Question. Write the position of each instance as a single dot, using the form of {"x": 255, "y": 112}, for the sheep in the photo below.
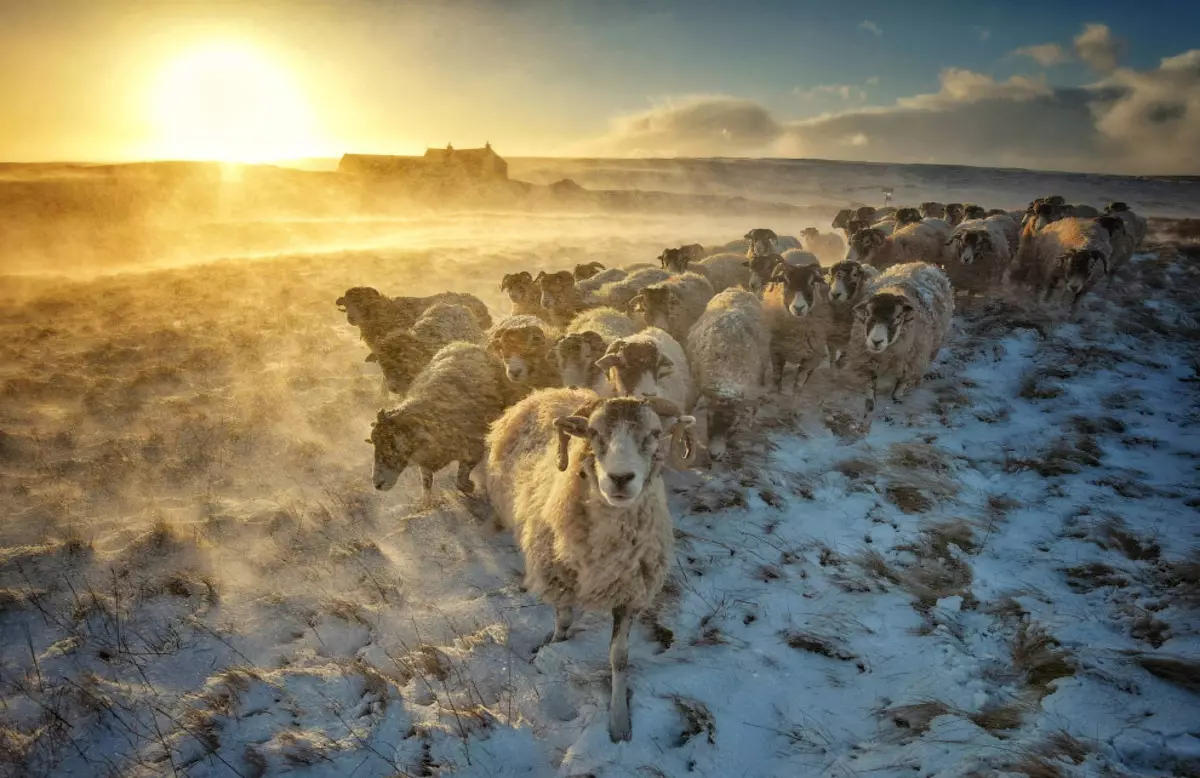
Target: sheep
{"x": 376, "y": 315}
{"x": 762, "y": 267}
{"x": 675, "y": 260}
{"x": 729, "y": 349}
{"x": 559, "y": 297}
{"x": 402, "y": 354}
{"x": 1135, "y": 224}
{"x": 650, "y": 364}
{"x": 585, "y": 341}
{"x": 588, "y": 286}
{"x": 847, "y": 284}
{"x": 899, "y": 327}
{"x": 920, "y": 242}
{"x": 954, "y": 214}
{"x": 906, "y": 216}
{"x": 866, "y": 213}
{"x": 523, "y": 294}
{"x": 981, "y": 252}
{"x": 522, "y": 344}
{"x": 723, "y": 270}
{"x": 842, "y": 218}
{"x": 855, "y": 226}
{"x": 578, "y": 478}
{"x": 761, "y": 242}
{"x": 973, "y": 211}
{"x": 829, "y": 247}
{"x": 618, "y": 293}
{"x": 693, "y": 252}
{"x": 444, "y": 419}
{"x": 1067, "y": 258}
{"x": 798, "y": 312}
{"x": 884, "y": 212}
{"x": 930, "y": 209}
{"x": 674, "y": 304}
{"x": 1121, "y": 240}
{"x": 586, "y": 271}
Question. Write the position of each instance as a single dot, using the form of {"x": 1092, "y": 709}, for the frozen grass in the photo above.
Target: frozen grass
{"x": 197, "y": 578}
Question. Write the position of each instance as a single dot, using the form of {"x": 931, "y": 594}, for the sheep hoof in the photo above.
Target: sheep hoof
{"x": 467, "y": 486}
{"x": 619, "y": 726}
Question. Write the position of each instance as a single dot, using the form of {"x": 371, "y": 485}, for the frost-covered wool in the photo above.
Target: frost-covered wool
{"x": 376, "y": 315}
{"x": 981, "y": 252}
{"x": 522, "y": 344}
{"x": 933, "y": 210}
{"x": 675, "y": 304}
{"x": 847, "y": 286}
{"x": 559, "y": 296}
{"x": 799, "y": 314}
{"x": 525, "y": 298}
{"x": 921, "y": 242}
{"x": 829, "y": 247}
{"x": 650, "y": 363}
{"x": 1070, "y": 252}
{"x": 912, "y": 304}
{"x": 618, "y": 293}
{"x": 402, "y": 355}
{"x": 444, "y": 418}
{"x": 585, "y": 341}
{"x": 723, "y": 271}
{"x": 729, "y": 350}
{"x": 588, "y": 286}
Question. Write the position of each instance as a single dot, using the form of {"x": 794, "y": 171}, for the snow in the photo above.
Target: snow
{"x": 842, "y": 605}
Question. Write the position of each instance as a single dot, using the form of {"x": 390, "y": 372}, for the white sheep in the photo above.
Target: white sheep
{"x": 933, "y": 210}
{"x": 443, "y": 419}
{"x": 847, "y": 285}
{"x": 588, "y": 286}
{"x": 585, "y": 341}
{"x": 376, "y": 315}
{"x": 981, "y": 252}
{"x": 1067, "y": 258}
{"x": 522, "y": 344}
{"x": 578, "y": 478}
{"x": 921, "y": 242}
{"x": 729, "y": 349}
{"x": 559, "y": 296}
{"x": 650, "y": 364}
{"x": 674, "y": 304}
{"x": 723, "y": 271}
{"x": 800, "y": 316}
{"x": 899, "y": 327}
{"x": 618, "y": 293}
{"x": 402, "y": 355}
{"x": 524, "y": 296}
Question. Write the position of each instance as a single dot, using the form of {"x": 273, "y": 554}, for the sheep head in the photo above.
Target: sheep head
{"x": 357, "y": 302}
{"x": 624, "y": 449}
{"x": 972, "y": 211}
{"x": 884, "y": 317}
{"x": 725, "y": 414}
{"x": 761, "y": 267}
{"x": 905, "y": 216}
{"x": 517, "y": 348}
{"x": 1075, "y": 269}
{"x": 576, "y": 355}
{"x": 762, "y": 241}
{"x": 932, "y": 210}
{"x": 970, "y": 244}
{"x": 692, "y": 252}
{"x": 396, "y": 438}
{"x": 584, "y": 272}
{"x": 1045, "y": 213}
{"x": 657, "y": 304}
{"x": 634, "y": 367}
{"x": 519, "y": 287}
{"x": 1116, "y": 207}
{"x": 954, "y": 214}
{"x": 810, "y": 233}
{"x": 1113, "y": 225}
{"x": 674, "y": 260}
{"x": 846, "y": 278}
{"x": 865, "y": 213}
{"x": 555, "y": 288}
{"x": 864, "y": 243}
{"x": 842, "y": 218}
{"x": 803, "y": 287}
{"x": 855, "y": 226}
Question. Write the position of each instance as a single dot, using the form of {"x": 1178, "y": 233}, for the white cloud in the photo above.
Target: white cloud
{"x": 1098, "y": 48}
{"x": 847, "y": 92}
{"x": 1045, "y": 54}
{"x": 1140, "y": 122}
{"x": 870, "y": 26}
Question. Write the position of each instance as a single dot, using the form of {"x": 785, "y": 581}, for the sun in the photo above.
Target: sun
{"x": 226, "y": 101}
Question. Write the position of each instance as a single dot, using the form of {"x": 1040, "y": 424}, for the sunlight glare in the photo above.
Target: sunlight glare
{"x": 228, "y": 102}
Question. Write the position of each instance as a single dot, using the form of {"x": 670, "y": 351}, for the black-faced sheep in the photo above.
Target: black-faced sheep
{"x": 578, "y": 478}
{"x": 586, "y": 271}
{"x": 444, "y": 419}
{"x": 920, "y": 242}
{"x": 798, "y": 312}
{"x": 907, "y": 216}
{"x": 522, "y": 344}
{"x": 981, "y": 253}
{"x": 933, "y": 210}
{"x": 729, "y": 349}
{"x": 1122, "y": 242}
{"x": 674, "y": 304}
{"x": 1067, "y": 259}
{"x": 847, "y": 286}
{"x": 899, "y": 327}
{"x": 954, "y": 214}
{"x": 760, "y": 241}
{"x": 973, "y": 211}
{"x": 376, "y": 315}
{"x": 1135, "y": 224}
{"x": 650, "y": 363}
{"x": 584, "y": 342}
{"x": 763, "y": 267}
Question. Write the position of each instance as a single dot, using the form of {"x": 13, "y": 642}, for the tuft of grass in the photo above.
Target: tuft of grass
{"x": 1094, "y": 575}
{"x": 1182, "y": 672}
{"x": 918, "y": 456}
{"x": 917, "y": 717}
{"x": 909, "y": 499}
{"x": 821, "y": 645}
{"x": 1112, "y": 535}
{"x": 697, "y": 720}
{"x": 1039, "y": 658}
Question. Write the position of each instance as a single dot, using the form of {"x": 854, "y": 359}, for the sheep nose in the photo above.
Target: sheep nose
{"x": 876, "y": 342}
{"x": 621, "y": 480}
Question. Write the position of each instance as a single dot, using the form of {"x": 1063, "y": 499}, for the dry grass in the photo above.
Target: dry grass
{"x": 1113, "y": 535}
{"x": 1184, "y": 673}
{"x": 939, "y": 571}
{"x": 1094, "y": 575}
{"x": 1039, "y": 658}
{"x": 697, "y": 720}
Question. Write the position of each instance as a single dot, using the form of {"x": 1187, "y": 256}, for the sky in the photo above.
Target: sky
{"x": 1099, "y": 86}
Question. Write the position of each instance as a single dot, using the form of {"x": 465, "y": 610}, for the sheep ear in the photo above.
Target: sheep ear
{"x": 665, "y": 367}
{"x": 608, "y": 360}
{"x": 372, "y": 357}
{"x": 638, "y": 303}
{"x": 568, "y": 427}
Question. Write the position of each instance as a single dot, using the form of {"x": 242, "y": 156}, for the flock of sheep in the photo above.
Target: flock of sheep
{"x": 580, "y": 397}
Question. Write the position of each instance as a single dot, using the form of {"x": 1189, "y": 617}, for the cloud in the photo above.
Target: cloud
{"x": 1045, "y": 54}
{"x": 1138, "y": 122}
{"x": 871, "y": 26}
{"x": 847, "y": 92}
{"x": 1098, "y": 48}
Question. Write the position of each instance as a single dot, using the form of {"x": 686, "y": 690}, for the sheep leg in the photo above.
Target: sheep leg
{"x": 806, "y": 370}
{"x": 777, "y": 363}
{"x": 426, "y": 486}
{"x": 901, "y": 388}
{"x": 563, "y": 616}
{"x": 464, "y": 482}
{"x": 619, "y": 726}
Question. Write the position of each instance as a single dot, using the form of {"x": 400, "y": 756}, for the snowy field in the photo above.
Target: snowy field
{"x": 197, "y": 578}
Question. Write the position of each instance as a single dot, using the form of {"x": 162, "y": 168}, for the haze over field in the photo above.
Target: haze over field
{"x": 996, "y": 575}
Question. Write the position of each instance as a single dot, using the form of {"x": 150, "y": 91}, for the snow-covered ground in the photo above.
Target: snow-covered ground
{"x": 197, "y": 578}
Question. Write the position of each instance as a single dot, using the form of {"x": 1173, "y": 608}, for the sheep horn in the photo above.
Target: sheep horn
{"x": 663, "y": 407}
{"x": 683, "y": 438}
